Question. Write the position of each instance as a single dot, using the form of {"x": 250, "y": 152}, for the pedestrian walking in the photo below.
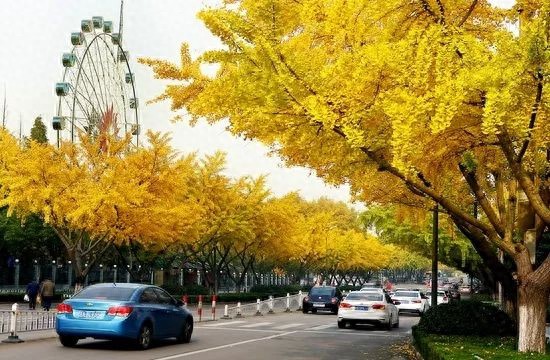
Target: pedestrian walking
{"x": 32, "y": 292}
{"x": 47, "y": 289}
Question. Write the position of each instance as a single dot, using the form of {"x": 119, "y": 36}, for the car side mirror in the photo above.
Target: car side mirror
{"x": 397, "y": 302}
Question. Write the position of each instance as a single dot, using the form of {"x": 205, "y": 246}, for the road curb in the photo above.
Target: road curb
{"x": 35, "y": 337}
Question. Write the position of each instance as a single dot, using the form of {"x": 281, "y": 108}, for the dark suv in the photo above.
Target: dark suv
{"x": 325, "y": 298}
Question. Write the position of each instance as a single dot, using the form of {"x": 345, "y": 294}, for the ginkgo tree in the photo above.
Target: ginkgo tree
{"x": 442, "y": 100}
{"x": 412, "y": 230}
{"x": 94, "y": 195}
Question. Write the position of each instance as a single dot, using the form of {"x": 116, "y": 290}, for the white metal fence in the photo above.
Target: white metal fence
{"x": 31, "y": 320}
{"x": 271, "y": 305}
{"x": 27, "y": 320}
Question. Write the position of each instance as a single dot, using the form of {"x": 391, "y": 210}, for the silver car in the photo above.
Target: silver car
{"x": 368, "y": 307}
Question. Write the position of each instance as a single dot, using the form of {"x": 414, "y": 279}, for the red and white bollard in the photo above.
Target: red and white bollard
{"x": 214, "y": 307}
{"x": 270, "y": 304}
{"x": 258, "y": 312}
{"x": 300, "y": 300}
{"x": 185, "y": 300}
{"x": 226, "y": 312}
{"x": 239, "y": 314}
{"x": 199, "y": 309}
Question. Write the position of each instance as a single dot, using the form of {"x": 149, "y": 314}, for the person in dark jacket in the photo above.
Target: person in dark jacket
{"x": 46, "y": 292}
{"x": 32, "y": 293}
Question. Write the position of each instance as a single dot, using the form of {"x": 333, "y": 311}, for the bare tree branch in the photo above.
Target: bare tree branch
{"x": 468, "y": 13}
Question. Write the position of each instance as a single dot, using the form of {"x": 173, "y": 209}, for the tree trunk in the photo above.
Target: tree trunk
{"x": 532, "y": 304}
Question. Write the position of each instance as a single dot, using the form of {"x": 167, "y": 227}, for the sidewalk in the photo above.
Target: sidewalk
{"x": 31, "y": 335}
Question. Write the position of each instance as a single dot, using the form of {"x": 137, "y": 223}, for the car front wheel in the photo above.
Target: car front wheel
{"x": 145, "y": 337}
{"x": 68, "y": 341}
{"x": 186, "y": 332}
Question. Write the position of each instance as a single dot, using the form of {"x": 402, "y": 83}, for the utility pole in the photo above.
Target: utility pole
{"x": 120, "y": 22}
{"x": 4, "y": 110}
{"x": 20, "y": 128}
{"x": 435, "y": 252}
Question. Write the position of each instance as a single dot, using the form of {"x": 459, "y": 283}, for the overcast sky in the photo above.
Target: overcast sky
{"x": 37, "y": 32}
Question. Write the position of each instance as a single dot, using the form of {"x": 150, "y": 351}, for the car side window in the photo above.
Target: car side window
{"x": 164, "y": 297}
{"x": 148, "y": 296}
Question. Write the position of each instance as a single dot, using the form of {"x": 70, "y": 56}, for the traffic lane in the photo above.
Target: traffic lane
{"x": 214, "y": 339}
{"x": 361, "y": 342}
{"x": 90, "y": 349}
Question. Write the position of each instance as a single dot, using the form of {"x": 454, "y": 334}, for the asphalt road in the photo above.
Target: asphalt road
{"x": 279, "y": 336}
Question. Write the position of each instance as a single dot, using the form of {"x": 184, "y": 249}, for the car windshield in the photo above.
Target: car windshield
{"x": 366, "y": 297}
{"x": 321, "y": 291}
{"x": 407, "y": 294}
{"x": 106, "y": 293}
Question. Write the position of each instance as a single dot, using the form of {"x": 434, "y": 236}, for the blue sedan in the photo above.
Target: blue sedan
{"x": 137, "y": 312}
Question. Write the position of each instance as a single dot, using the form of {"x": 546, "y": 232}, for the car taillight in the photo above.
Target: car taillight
{"x": 417, "y": 301}
{"x": 123, "y": 311}
{"x": 306, "y": 298}
{"x": 334, "y": 300}
{"x": 379, "y": 306}
{"x": 64, "y": 309}
{"x": 345, "y": 305}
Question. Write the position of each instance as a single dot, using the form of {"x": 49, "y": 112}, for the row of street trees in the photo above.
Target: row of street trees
{"x": 412, "y": 103}
{"x": 101, "y": 198}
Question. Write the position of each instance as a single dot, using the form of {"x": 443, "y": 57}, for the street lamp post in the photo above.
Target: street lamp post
{"x": 114, "y": 273}
{"x": 86, "y": 278}
{"x": 70, "y": 273}
{"x": 54, "y": 269}
{"x": 36, "y": 271}
{"x": 17, "y": 273}
{"x": 100, "y": 273}
{"x": 435, "y": 252}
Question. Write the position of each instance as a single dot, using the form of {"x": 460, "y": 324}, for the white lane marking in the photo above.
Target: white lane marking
{"x": 322, "y": 327}
{"x": 225, "y": 323}
{"x": 352, "y": 332}
{"x": 256, "y": 325}
{"x": 225, "y": 346}
{"x": 239, "y": 329}
{"x": 287, "y": 326}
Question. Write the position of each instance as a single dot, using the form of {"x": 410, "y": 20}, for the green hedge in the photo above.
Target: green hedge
{"x": 467, "y": 318}
{"x": 227, "y": 297}
{"x": 278, "y": 290}
{"x": 18, "y": 297}
{"x": 443, "y": 347}
{"x": 185, "y": 289}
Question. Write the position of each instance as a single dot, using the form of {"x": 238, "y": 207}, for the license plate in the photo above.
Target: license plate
{"x": 403, "y": 301}
{"x": 364, "y": 308}
{"x": 82, "y": 314}
{"x": 319, "y": 304}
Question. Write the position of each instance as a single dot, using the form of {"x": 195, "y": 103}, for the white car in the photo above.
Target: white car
{"x": 368, "y": 307}
{"x": 442, "y": 297}
{"x": 411, "y": 301}
{"x": 372, "y": 289}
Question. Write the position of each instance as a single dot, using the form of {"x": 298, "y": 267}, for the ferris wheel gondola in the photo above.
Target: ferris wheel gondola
{"x": 97, "y": 84}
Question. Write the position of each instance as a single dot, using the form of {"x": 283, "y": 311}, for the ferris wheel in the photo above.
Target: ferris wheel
{"x": 97, "y": 92}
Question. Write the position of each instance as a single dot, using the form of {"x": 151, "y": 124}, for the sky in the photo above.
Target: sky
{"x": 37, "y": 32}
